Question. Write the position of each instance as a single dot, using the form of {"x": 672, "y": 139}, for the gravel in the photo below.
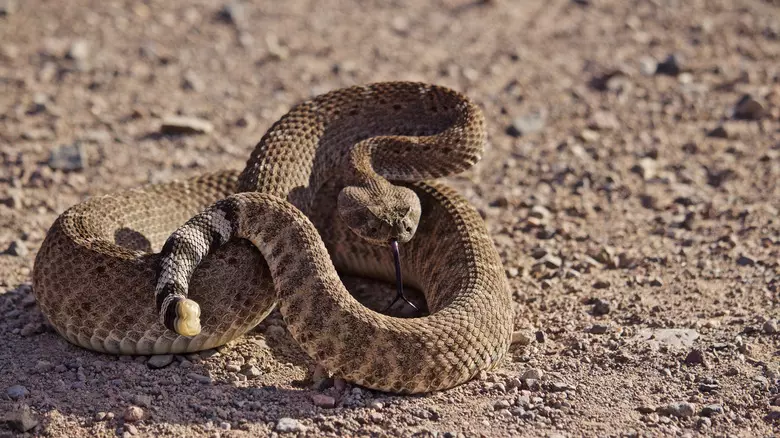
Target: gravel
{"x": 159, "y": 361}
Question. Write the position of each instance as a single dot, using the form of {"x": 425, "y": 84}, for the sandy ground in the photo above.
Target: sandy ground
{"x": 633, "y": 197}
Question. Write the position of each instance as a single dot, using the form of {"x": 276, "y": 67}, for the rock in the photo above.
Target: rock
{"x": 288, "y": 425}
{"x": 527, "y": 124}
{"x": 22, "y": 419}
{"x": 200, "y": 378}
{"x": 646, "y": 168}
{"x": 718, "y": 132}
{"x": 501, "y": 404}
{"x": 251, "y": 371}
{"x": 192, "y": 81}
{"x": 79, "y": 50}
{"x": 71, "y": 157}
{"x": 599, "y": 329}
{"x": 521, "y": 338}
{"x": 648, "y": 65}
{"x": 18, "y": 248}
{"x": 602, "y": 284}
{"x": 600, "y": 307}
{"x": 680, "y": 409}
{"x": 745, "y": 260}
{"x": 133, "y": 414}
{"x": 129, "y": 428}
{"x": 185, "y": 125}
{"x": 323, "y": 401}
{"x": 533, "y": 373}
{"x": 233, "y": 13}
{"x": 603, "y": 121}
{"x": 159, "y": 361}
{"x": 771, "y": 327}
{"x": 680, "y": 338}
{"x": 17, "y": 392}
{"x": 695, "y": 357}
{"x": 671, "y": 66}
{"x": 748, "y": 108}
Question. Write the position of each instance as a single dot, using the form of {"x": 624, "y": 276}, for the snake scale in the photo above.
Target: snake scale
{"x": 323, "y": 192}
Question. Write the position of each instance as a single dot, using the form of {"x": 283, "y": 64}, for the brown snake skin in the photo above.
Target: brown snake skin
{"x": 96, "y": 273}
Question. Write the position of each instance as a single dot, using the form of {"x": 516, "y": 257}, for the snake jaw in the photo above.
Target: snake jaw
{"x": 187, "y": 321}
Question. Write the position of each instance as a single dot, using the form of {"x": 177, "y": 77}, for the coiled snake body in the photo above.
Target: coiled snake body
{"x": 315, "y": 198}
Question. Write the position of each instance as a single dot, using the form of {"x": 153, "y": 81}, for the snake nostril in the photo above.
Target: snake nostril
{"x": 408, "y": 229}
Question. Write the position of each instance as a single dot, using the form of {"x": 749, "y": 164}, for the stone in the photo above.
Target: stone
{"x": 718, "y": 132}
{"x": 159, "y": 361}
{"x": 79, "y": 50}
{"x": 695, "y": 357}
{"x": 177, "y": 125}
{"x": 251, "y": 371}
{"x": 521, "y": 337}
{"x": 533, "y": 373}
{"x": 680, "y": 409}
{"x": 288, "y": 425}
{"x": 133, "y": 414}
{"x": 671, "y": 66}
{"x": 601, "y": 307}
{"x": 200, "y": 378}
{"x": 501, "y": 404}
{"x": 770, "y": 327}
{"x": 527, "y": 124}
{"x": 748, "y": 108}
{"x": 599, "y": 329}
{"x": 18, "y": 248}
{"x": 68, "y": 158}
{"x": 22, "y": 419}
{"x": 603, "y": 121}
{"x": 323, "y": 401}
{"x": 17, "y": 392}
{"x": 648, "y": 65}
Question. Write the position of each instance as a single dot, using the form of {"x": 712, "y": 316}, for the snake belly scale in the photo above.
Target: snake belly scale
{"x": 316, "y": 196}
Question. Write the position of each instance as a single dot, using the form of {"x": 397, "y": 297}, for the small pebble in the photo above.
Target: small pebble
{"x": 771, "y": 327}
{"x": 323, "y": 401}
{"x": 501, "y": 404}
{"x": 600, "y": 307}
{"x": 527, "y": 124}
{"x": 533, "y": 373}
{"x": 711, "y": 410}
{"x": 251, "y": 371}
{"x": 159, "y": 361}
{"x": 133, "y": 414}
{"x": 748, "y": 108}
{"x": 287, "y": 425}
{"x": 695, "y": 357}
{"x": 680, "y": 409}
{"x": 599, "y": 329}
{"x": 718, "y": 132}
{"x": 70, "y": 157}
{"x": 185, "y": 125}
{"x": 200, "y": 378}
{"x": 521, "y": 337}
{"x": 132, "y": 430}
{"x": 17, "y": 392}
{"x": 671, "y": 66}
{"x": 18, "y": 248}
{"x": 79, "y": 50}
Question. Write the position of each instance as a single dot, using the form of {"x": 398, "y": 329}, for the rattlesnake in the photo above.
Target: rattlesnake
{"x": 318, "y": 166}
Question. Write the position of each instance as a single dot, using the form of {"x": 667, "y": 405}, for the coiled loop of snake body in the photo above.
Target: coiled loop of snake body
{"x": 333, "y": 178}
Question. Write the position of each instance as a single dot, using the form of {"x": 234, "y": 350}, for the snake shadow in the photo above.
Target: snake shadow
{"x": 61, "y": 379}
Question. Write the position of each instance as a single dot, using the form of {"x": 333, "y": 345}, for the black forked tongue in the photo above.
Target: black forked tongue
{"x": 398, "y": 279}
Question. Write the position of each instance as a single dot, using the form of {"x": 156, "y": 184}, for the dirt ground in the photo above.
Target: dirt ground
{"x": 630, "y": 185}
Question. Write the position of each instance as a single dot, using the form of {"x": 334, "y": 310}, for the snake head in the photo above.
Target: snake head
{"x": 380, "y": 215}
